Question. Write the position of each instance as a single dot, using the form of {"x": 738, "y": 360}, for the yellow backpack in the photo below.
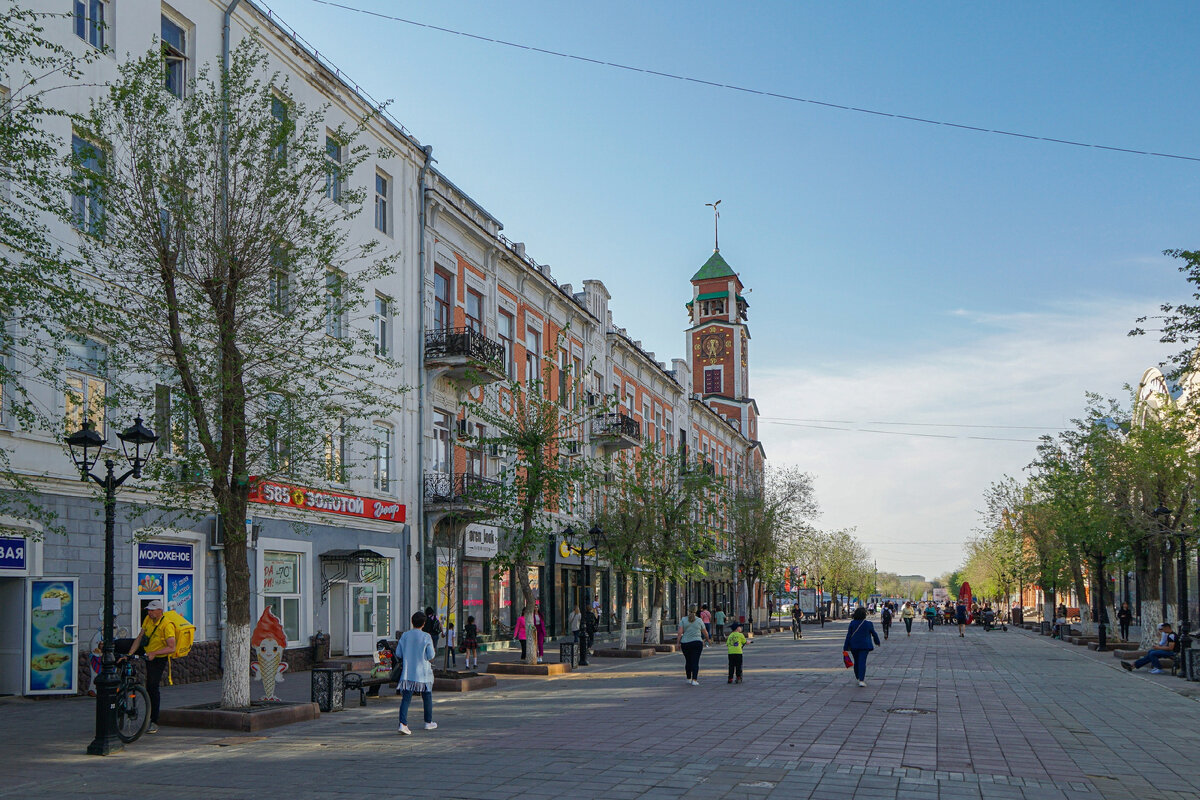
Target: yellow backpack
{"x": 185, "y": 634}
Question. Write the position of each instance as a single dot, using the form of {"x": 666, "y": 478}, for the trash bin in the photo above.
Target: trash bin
{"x": 328, "y": 688}
{"x": 568, "y": 654}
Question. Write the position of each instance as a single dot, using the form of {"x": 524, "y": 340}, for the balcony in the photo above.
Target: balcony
{"x": 459, "y": 353}
{"x": 467, "y": 496}
{"x": 616, "y": 431}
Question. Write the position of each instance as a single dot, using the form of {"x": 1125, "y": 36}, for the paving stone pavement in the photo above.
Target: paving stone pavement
{"x": 999, "y": 716}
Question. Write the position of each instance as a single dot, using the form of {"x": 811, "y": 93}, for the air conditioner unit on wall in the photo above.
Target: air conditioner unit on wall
{"x": 217, "y": 538}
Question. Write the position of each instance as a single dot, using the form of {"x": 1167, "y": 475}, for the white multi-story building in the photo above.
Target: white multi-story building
{"x": 461, "y": 297}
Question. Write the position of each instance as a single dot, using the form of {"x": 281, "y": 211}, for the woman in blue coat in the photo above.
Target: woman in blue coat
{"x": 858, "y": 642}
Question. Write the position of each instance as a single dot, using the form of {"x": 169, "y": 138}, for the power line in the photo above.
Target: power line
{"x": 920, "y": 424}
{"x": 748, "y": 90}
{"x": 897, "y": 433}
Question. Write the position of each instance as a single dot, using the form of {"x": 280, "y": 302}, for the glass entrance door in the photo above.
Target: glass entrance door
{"x": 362, "y": 618}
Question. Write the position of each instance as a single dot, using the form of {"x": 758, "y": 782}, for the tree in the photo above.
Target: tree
{"x": 761, "y": 513}
{"x": 42, "y": 299}
{"x": 543, "y": 484}
{"x": 666, "y": 510}
{"x": 224, "y": 241}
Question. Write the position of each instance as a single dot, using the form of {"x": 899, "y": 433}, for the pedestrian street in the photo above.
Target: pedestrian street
{"x": 994, "y": 715}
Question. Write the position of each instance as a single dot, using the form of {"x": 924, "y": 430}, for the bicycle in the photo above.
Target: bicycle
{"x": 133, "y": 702}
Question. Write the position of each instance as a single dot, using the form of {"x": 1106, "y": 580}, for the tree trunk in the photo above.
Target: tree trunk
{"x": 1049, "y": 606}
{"x": 1086, "y": 623}
{"x": 235, "y": 683}
{"x": 624, "y": 641}
{"x": 1149, "y": 558}
{"x": 656, "y": 608}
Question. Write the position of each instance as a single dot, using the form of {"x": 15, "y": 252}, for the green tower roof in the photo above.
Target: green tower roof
{"x": 715, "y": 267}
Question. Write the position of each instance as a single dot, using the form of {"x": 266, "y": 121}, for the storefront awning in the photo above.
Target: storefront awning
{"x": 336, "y": 564}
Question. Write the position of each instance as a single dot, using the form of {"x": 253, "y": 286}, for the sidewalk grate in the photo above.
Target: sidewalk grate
{"x": 903, "y": 710}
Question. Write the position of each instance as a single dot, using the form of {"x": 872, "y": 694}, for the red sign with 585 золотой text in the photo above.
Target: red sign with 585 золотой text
{"x": 350, "y": 505}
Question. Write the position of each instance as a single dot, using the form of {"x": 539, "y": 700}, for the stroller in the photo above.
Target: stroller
{"x": 989, "y": 619}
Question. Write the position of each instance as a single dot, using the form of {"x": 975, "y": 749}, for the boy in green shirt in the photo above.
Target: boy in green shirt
{"x": 734, "y": 643}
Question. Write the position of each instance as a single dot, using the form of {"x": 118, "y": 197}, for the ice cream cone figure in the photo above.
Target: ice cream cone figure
{"x": 268, "y": 642}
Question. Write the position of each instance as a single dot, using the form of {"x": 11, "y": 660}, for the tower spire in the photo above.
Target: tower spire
{"x": 716, "y": 219}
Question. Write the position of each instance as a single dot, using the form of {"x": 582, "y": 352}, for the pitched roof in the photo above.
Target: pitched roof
{"x": 715, "y": 267}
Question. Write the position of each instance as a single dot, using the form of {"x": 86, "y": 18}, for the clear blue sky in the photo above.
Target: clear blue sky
{"x": 872, "y": 244}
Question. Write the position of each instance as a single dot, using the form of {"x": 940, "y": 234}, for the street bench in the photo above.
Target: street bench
{"x": 354, "y": 682}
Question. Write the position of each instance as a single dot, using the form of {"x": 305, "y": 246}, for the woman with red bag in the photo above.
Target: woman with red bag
{"x": 859, "y": 636}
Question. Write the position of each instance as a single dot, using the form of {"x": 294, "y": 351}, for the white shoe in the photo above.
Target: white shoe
{"x": 1156, "y": 672}
{"x": 862, "y": 683}
{"x": 695, "y": 683}
{"x": 539, "y": 661}
{"x": 429, "y": 726}
{"x": 404, "y": 730}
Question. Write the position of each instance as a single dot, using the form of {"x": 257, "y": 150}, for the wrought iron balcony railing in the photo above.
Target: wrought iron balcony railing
{"x": 616, "y": 424}
{"x": 466, "y": 342}
{"x": 444, "y": 487}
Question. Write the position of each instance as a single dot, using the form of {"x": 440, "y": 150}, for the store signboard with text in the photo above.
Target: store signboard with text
{"x": 347, "y": 505}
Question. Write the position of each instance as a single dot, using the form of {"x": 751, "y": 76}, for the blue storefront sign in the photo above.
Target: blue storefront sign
{"x": 14, "y": 554}
{"x": 164, "y": 556}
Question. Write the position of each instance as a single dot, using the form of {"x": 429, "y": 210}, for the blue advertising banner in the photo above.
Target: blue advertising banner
{"x": 164, "y": 556}
{"x": 13, "y": 553}
{"x": 51, "y": 665}
{"x": 179, "y": 595}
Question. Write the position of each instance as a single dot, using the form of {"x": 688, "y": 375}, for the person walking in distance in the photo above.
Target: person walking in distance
{"x": 575, "y": 623}
{"x": 734, "y": 645}
{"x": 470, "y": 643}
{"x": 960, "y": 618}
{"x": 692, "y": 635}
{"x": 158, "y": 634}
{"x": 718, "y": 631}
{"x": 539, "y": 625}
{"x": 908, "y": 613}
{"x": 885, "y": 620}
{"x": 519, "y": 633}
{"x": 1125, "y": 619}
{"x": 931, "y": 615}
{"x": 416, "y": 676}
{"x": 433, "y": 626}
{"x": 706, "y": 618}
{"x": 859, "y": 636}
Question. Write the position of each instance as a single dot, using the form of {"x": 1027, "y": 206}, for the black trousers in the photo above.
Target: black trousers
{"x": 1125, "y": 631}
{"x": 735, "y": 665}
{"x": 523, "y": 649}
{"x": 691, "y": 656}
{"x": 154, "y": 673}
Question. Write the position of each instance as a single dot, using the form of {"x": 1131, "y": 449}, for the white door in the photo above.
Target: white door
{"x": 362, "y": 619}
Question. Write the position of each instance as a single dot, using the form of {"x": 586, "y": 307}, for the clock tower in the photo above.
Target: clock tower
{"x": 719, "y": 344}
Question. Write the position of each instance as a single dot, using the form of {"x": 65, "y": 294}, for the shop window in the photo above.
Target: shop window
{"x": 282, "y": 590}
{"x": 473, "y": 592}
{"x": 164, "y": 573}
{"x": 383, "y": 600}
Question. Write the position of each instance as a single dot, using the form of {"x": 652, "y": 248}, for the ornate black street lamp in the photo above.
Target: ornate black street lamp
{"x": 597, "y": 536}
{"x": 137, "y": 443}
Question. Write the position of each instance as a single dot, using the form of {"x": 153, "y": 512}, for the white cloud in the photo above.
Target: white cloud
{"x": 914, "y": 499}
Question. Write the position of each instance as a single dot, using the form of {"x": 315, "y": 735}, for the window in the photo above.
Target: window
{"x": 279, "y": 110}
{"x": 279, "y": 450}
{"x": 712, "y": 380}
{"x": 382, "y": 461}
{"x": 175, "y": 60}
{"x": 443, "y": 304}
{"x": 441, "y": 441}
{"x": 710, "y": 308}
{"x": 281, "y": 590}
{"x": 86, "y": 389}
{"x": 335, "y": 307}
{"x": 334, "y": 178}
{"x": 383, "y": 325}
{"x": 564, "y": 370}
{"x": 507, "y": 325}
{"x": 533, "y": 354}
{"x": 279, "y": 280}
{"x": 629, "y": 399}
{"x": 87, "y": 201}
{"x": 383, "y": 598}
{"x": 335, "y": 453}
{"x": 91, "y": 21}
{"x": 476, "y": 462}
{"x": 171, "y": 421}
{"x": 383, "y": 185}
{"x": 474, "y": 310}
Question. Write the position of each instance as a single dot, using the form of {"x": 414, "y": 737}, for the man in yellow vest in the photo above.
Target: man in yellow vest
{"x": 159, "y": 636}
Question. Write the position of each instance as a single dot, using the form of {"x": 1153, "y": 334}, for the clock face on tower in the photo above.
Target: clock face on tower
{"x": 712, "y": 345}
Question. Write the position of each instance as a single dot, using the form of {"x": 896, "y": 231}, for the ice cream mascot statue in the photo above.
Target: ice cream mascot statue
{"x": 268, "y": 642}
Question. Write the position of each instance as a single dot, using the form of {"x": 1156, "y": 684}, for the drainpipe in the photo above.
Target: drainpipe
{"x": 422, "y": 550}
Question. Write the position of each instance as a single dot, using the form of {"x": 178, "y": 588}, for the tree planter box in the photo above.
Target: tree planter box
{"x": 1113, "y": 646}
{"x": 519, "y": 668}
{"x": 260, "y": 716}
{"x": 662, "y": 648}
{"x": 632, "y": 651}
{"x": 464, "y": 683}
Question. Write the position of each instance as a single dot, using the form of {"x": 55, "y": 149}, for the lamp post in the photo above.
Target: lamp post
{"x": 137, "y": 443}
{"x": 597, "y": 536}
